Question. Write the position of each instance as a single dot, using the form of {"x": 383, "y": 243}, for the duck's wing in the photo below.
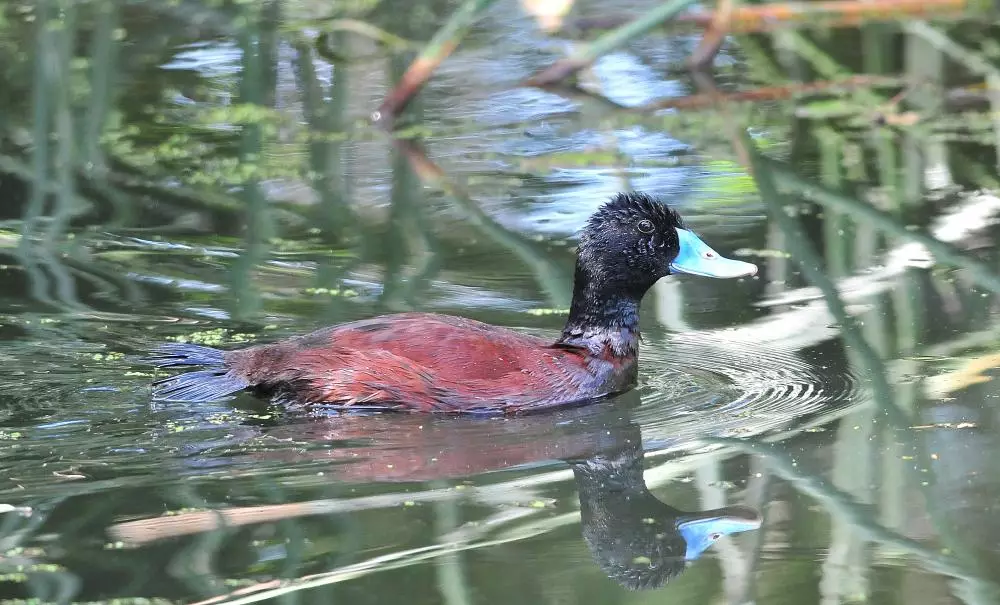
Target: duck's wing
{"x": 421, "y": 362}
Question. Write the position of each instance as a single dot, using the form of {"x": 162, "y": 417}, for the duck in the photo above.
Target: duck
{"x": 437, "y": 363}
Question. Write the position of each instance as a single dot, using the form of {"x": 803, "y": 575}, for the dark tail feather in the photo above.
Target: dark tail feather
{"x": 213, "y": 383}
{"x": 182, "y": 354}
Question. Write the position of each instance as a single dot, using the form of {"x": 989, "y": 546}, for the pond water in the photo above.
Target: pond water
{"x": 206, "y": 173}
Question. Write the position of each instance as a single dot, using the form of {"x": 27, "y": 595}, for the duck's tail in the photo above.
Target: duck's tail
{"x": 212, "y": 383}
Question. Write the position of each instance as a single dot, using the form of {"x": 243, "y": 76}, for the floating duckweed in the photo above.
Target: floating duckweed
{"x": 538, "y": 504}
{"x": 12, "y": 436}
{"x": 215, "y": 337}
{"x": 114, "y": 546}
{"x": 344, "y": 292}
{"x": 409, "y": 503}
{"x": 221, "y": 418}
{"x": 206, "y": 337}
{"x": 640, "y": 560}
{"x": 13, "y": 577}
{"x": 649, "y": 520}
{"x": 141, "y": 374}
{"x": 547, "y": 311}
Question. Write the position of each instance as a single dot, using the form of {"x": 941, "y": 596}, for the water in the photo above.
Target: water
{"x": 187, "y": 215}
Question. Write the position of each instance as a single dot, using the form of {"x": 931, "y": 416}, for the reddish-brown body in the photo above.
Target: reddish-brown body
{"x": 426, "y": 362}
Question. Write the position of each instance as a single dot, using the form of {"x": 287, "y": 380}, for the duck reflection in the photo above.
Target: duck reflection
{"x": 636, "y": 539}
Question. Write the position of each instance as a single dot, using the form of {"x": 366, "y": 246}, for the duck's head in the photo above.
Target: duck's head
{"x": 634, "y": 239}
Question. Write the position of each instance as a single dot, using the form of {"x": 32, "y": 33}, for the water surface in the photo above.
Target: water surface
{"x": 207, "y": 174}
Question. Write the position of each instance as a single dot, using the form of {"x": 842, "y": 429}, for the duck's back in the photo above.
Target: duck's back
{"x": 429, "y": 362}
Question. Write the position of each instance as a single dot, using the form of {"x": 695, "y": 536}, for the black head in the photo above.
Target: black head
{"x": 630, "y": 242}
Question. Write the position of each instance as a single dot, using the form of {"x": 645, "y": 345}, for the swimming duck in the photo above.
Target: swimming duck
{"x": 425, "y": 362}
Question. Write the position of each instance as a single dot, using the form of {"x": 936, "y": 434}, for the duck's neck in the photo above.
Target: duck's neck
{"x": 602, "y": 315}
{"x": 612, "y": 479}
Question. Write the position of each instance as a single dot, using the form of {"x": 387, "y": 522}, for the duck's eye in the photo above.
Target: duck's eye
{"x": 645, "y": 226}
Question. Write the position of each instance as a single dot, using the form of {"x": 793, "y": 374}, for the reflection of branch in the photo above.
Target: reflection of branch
{"x": 408, "y": 232}
{"x": 842, "y": 504}
{"x": 835, "y": 13}
{"x": 451, "y": 578}
{"x": 735, "y": 567}
{"x": 395, "y": 560}
{"x": 144, "y": 531}
{"x": 556, "y": 283}
{"x": 588, "y": 53}
{"x": 974, "y": 62}
{"x": 982, "y": 273}
{"x": 361, "y": 28}
{"x": 743, "y": 19}
{"x": 965, "y": 217}
{"x": 715, "y": 33}
{"x": 771, "y": 93}
{"x": 437, "y": 50}
{"x": 257, "y": 87}
{"x": 764, "y": 172}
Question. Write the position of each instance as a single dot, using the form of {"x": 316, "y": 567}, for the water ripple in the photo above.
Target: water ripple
{"x": 696, "y": 385}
